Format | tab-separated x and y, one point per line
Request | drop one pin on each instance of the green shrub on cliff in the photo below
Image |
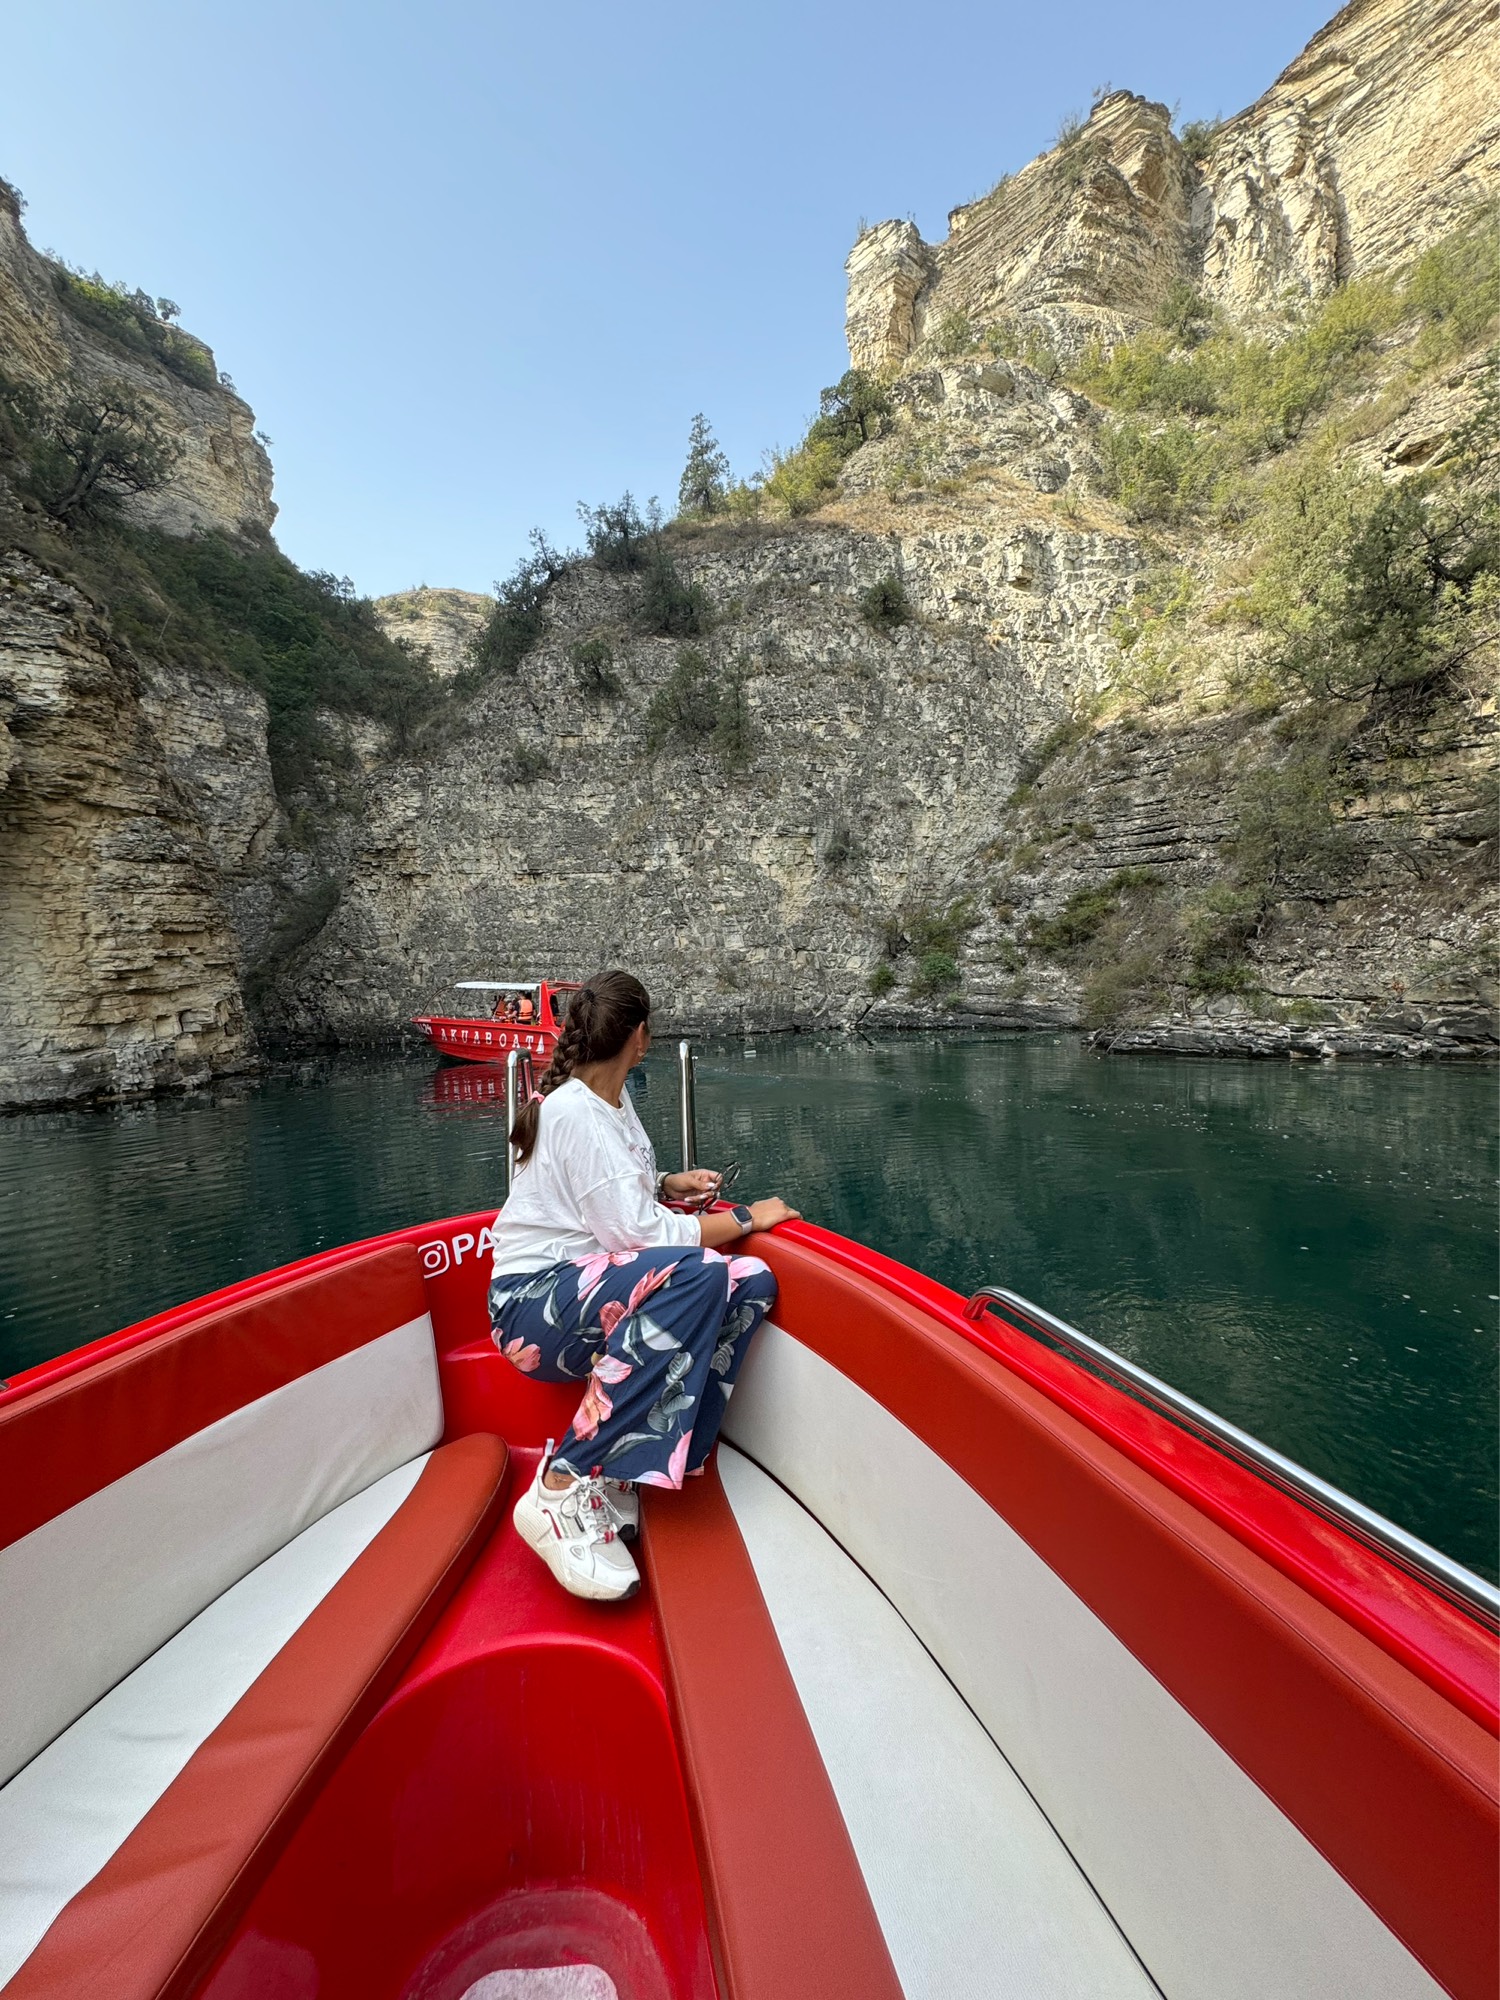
1361	590
305	640
803	479
685	708
136	323
1159	472
1197	138
666	603
618	539
885	605
850	412
936	976
520	615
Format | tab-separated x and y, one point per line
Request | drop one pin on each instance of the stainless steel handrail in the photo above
687	1107
1448	1577
518	1078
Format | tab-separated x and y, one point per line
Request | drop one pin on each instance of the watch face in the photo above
742	1215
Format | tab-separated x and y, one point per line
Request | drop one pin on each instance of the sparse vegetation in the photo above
618	539
936	976
1186	314
685	708
135	323
733	738
1076	151
520	615
854	410
882	979
803	479
667	604
1084	914
850	412
694	707
885	605
704	486
953	336
1026	342
593	665
1197	138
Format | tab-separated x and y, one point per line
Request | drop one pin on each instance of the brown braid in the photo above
602	1016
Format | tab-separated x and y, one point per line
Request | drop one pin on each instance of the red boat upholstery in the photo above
790	1916
218	1549
1265	1800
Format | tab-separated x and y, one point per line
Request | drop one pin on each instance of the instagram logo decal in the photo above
445	1253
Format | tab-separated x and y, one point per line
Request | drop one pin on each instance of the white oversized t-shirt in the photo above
589	1185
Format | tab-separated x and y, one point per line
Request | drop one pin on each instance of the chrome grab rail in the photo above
518	1076
1446	1576
687	1107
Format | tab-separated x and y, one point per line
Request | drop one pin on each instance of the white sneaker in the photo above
574	1532
625	1502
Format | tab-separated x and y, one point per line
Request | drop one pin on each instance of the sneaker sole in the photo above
535	1531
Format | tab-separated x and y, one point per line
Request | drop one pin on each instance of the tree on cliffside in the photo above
705	477
86	454
851	412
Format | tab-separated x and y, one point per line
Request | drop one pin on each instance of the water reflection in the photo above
1309	1250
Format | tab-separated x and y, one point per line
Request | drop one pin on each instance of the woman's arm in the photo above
723	1225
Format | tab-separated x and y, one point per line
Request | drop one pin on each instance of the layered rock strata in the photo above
1383	133
121	969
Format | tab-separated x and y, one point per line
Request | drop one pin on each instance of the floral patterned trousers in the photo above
658	1335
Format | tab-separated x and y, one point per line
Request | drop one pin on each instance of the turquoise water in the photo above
1310	1250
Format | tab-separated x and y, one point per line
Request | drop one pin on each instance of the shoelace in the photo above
585	1501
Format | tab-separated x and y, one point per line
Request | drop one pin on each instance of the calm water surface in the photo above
1309	1250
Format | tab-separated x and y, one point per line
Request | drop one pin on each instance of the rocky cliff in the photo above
121	969
1025	705
1382	134
67	335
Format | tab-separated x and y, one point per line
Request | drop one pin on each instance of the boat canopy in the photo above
496	985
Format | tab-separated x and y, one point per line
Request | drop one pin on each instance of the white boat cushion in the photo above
76	1803
92	1592
975	1892
1221	1895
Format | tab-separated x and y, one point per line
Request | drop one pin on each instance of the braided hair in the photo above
602	1016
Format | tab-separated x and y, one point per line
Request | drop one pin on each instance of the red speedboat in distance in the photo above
523	1014
979	1663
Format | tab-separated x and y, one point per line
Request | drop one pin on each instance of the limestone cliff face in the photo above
1383	132
868	793
1381	135
438	625
753	888
121	970
222	478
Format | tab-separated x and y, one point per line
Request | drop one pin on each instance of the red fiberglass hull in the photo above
1264	1750
485	1041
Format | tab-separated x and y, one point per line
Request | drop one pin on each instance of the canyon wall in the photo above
922	748
1382	134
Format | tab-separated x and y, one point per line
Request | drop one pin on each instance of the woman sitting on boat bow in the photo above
595	1280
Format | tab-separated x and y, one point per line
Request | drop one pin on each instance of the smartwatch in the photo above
743	1217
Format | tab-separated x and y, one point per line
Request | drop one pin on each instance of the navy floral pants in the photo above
658	1335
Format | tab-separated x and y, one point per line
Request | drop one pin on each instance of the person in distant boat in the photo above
595	1281
497	1012
526	1010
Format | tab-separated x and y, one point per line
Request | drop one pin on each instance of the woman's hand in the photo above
721	1228
701	1184
766	1214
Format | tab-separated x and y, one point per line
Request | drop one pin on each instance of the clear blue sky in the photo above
473	262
